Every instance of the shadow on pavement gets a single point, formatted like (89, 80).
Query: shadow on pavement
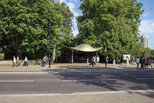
(110, 79)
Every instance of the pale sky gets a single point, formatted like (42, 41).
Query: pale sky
(147, 23)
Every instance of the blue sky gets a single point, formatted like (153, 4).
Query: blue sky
(147, 23)
(74, 5)
(147, 18)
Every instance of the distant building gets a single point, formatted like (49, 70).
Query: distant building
(144, 41)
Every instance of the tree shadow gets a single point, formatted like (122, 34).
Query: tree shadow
(108, 79)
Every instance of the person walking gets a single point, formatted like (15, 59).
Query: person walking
(106, 61)
(14, 61)
(45, 60)
(148, 62)
(142, 63)
(92, 61)
(127, 60)
(97, 59)
(18, 62)
(26, 61)
(137, 62)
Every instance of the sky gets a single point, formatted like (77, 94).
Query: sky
(147, 21)
(74, 5)
(147, 18)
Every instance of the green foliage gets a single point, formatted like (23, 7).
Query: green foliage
(147, 52)
(112, 24)
(1, 56)
(34, 27)
(152, 53)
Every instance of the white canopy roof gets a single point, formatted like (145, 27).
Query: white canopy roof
(85, 48)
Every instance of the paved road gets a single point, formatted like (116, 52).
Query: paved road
(77, 85)
(70, 81)
(107, 97)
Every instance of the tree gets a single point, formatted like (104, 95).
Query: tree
(152, 53)
(147, 52)
(111, 22)
(65, 36)
(11, 25)
(34, 27)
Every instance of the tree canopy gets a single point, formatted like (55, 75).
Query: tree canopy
(34, 27)
(40, 27)
(112, 24)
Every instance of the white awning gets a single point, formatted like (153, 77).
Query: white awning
(85, 48)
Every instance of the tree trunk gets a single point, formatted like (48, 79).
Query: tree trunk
(53, 54)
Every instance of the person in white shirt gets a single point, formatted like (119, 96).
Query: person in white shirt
(18, 63)
(127, 60)
(97, 59)
(137, 62)
(26, 61)
(14, 61)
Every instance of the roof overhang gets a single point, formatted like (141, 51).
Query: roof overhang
(85, 48)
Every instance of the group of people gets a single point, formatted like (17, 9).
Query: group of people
(143, 63)
(16, 61)
(94, 60)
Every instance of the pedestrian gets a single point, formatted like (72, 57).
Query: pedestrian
(106, 61)
(127, 60)
(26, 61)
(18, 63)
(137, 62)
(92, 61)
(114, 62)
(148, 62)
(45, 60)
(14, 61)
(142, 63)
(97, 59)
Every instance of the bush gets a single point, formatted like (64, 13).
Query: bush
(1, 56)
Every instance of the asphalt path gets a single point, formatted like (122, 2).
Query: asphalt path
(71, 81)
(88, 85)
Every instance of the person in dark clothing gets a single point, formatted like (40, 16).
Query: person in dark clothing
(148, 63)
(92, 61)
(106, 61)
(142, 63)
